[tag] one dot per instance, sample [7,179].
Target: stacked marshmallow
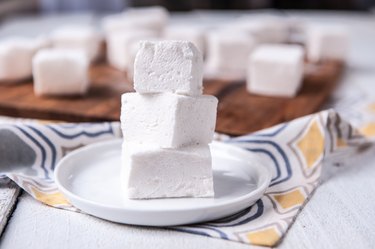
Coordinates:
[167,124]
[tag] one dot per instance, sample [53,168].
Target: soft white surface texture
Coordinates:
[120,47]
[194,34]
[168,66]
[84,38]
[167,119]
[327,42]
[16,55]
[227,54]
[151,172]
[275,70]
[60,72]
[149,18]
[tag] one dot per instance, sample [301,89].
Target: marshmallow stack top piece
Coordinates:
[168,66]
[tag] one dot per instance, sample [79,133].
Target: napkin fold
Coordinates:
[295,151]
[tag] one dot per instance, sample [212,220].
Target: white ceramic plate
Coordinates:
[90,180]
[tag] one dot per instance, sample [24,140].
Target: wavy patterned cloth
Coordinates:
[295,151]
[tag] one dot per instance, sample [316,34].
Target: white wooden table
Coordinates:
[341,213]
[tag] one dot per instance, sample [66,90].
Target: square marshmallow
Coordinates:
[227,54]
[265,28]
[167,119]
[327,43]
[60,72]
[151,172]
[120,46]
[16,57]
[188,33]
[132,51]
[84,38]
[147,18]
[168,66]
[275,70]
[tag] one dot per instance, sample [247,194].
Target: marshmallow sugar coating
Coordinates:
[149,171]
[168,66]
[167,119]
[60,72]
[275,70]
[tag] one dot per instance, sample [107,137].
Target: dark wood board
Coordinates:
[239,112]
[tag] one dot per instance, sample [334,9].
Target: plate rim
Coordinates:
[70,195]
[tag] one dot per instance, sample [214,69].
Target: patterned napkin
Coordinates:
[295,151]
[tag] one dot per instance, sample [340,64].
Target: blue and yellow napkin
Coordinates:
[296,151]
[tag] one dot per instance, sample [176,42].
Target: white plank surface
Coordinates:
[37,226]
[341,213]
[9,193]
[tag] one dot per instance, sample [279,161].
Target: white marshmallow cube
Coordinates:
[327,43]
[168,119]
[188,33]
[275,70]
[120,47]
[151,172]
[60,72]
[227,54]
[147,18]
[168,66]
[16,58]
[265,28]
[84,38]
[132,51]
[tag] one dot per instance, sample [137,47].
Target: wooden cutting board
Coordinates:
[238,112]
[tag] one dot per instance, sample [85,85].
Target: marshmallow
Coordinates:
[120,47]
[16,57]
[158,12]
[327,43]
[84,38]
[275,70]
[227,54]
[168,66]
[60,72]
[266,29]
[167,119]
[132,52]
[151,172]
[187,33]
[149,18]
